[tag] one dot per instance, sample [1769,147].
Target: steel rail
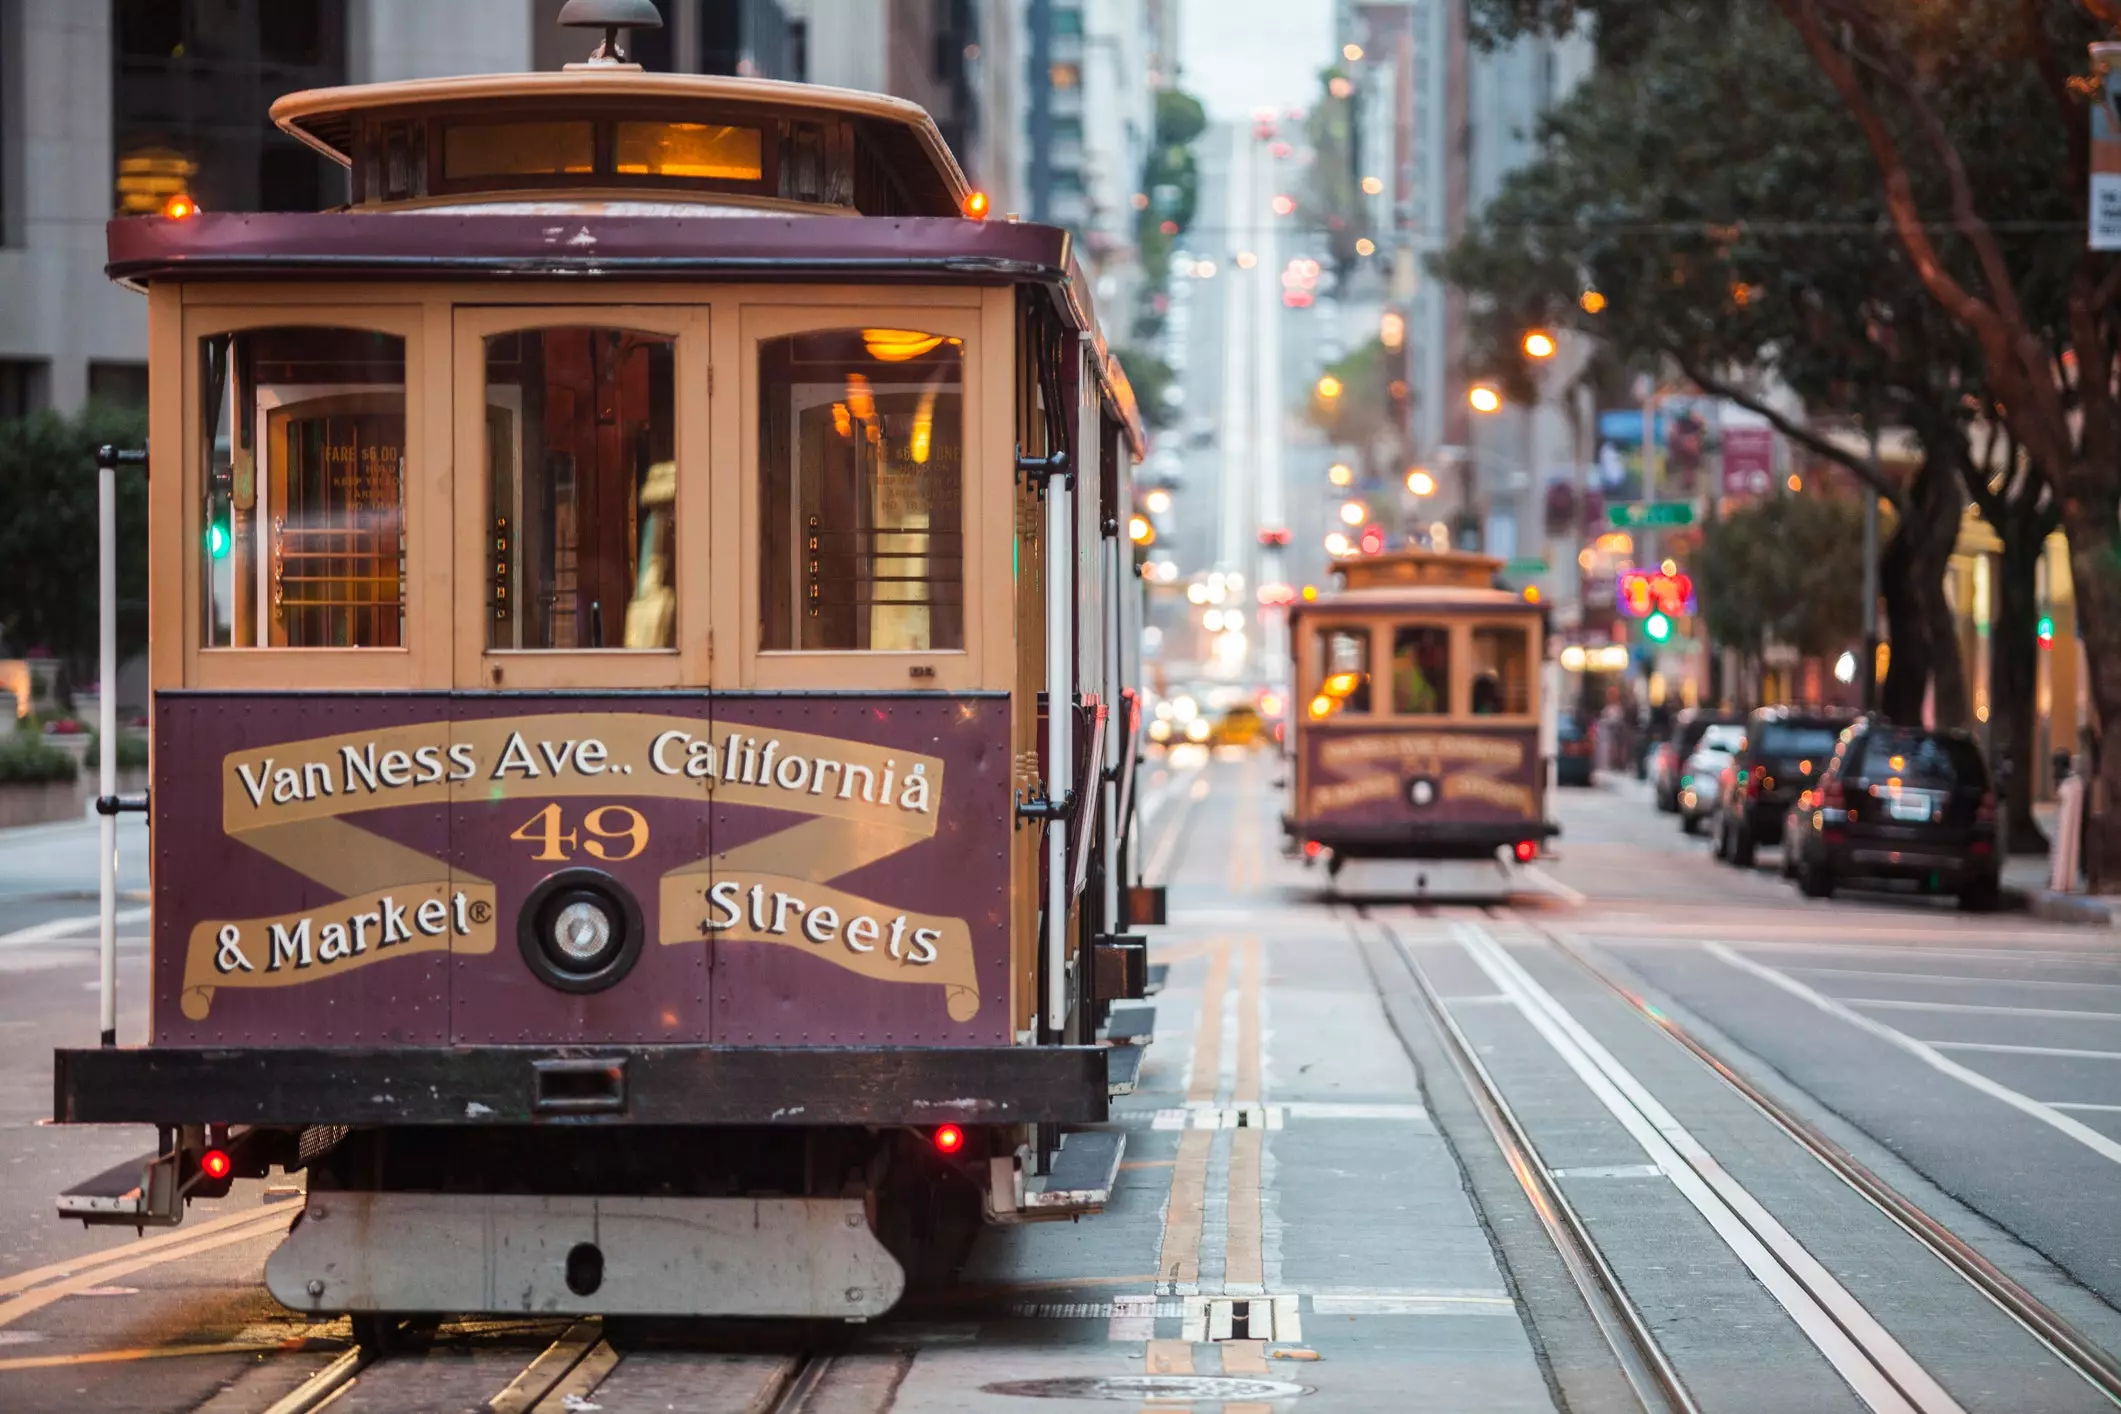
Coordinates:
[2086,1357]
[1649,1372]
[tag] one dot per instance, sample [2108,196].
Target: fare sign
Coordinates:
[1640,593]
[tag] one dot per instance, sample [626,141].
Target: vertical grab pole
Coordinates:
[107,725]
[1060,737]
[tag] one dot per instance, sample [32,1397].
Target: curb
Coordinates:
[2098,912]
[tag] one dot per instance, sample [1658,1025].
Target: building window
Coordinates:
[25,387]
[191,81]
[581,452]
[118,384]
[303,447]
[861,440]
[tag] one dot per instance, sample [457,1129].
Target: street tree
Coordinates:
[1945,96]
[1776,572]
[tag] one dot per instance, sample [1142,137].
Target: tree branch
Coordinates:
[1863,468]
[2054,77]
[2106,12]
[1999,338]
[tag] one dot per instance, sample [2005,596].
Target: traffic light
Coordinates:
[2045,630]
[1657,628]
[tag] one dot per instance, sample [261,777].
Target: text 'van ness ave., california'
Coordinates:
[562,754]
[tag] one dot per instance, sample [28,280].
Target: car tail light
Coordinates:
[216,1164]
[1524,851]
[1986,814]
[1832,796]
[1752,782]
[1313,849]
[949,1139]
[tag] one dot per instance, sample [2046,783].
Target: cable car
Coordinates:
[1421,724]
[643,706]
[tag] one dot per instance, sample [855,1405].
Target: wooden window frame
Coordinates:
[1383,628]
[685,665]
[984,324]
[426,509]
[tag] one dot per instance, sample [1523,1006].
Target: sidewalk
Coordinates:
[2025,883]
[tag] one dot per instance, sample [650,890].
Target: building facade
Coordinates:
[109,107]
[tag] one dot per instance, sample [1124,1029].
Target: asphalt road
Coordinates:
[1301,1142]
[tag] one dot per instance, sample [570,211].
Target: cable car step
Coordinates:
[1135,1022]
[1123,1069]
[1159,973]
[1083,1174]
[140,1192]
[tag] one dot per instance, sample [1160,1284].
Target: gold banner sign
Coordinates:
[290,802]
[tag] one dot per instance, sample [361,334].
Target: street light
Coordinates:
[1420,482]
[1592,302]
[1539,344]
[1340,474]
[1337,544]
[1391,329]
[1140,531]
[1484,398]
[1354,513]
[1328,387]
[1158,501]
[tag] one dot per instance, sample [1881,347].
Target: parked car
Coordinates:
[1719,745]
[1577,748]
[1785,750]
[1239,725]
[1899,803]
[1685,736]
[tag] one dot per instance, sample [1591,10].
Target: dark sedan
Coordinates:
[1577,744]
[1899,803]
[1785,750]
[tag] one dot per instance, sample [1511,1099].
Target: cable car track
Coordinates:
[2084,1356]
[1899,1381]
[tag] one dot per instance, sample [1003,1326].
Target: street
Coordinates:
[1313,1212]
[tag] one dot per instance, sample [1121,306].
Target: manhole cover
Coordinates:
[1178,1388]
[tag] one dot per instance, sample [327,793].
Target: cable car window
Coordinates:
[303,434]
[1343,672]
[474,150]
[710,150]
[1502,671]
[861,437]
[581,453]
[1421,670]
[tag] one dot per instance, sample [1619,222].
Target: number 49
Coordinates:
[603,824]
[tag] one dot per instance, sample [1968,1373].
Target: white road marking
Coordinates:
[1167,845]
[2084,1105]
[1897,1004]
[1928,1054]
[2003,1049]
[1950,978]
[1867,1356]
[1414,1303]
[1132,1318]
[60,927]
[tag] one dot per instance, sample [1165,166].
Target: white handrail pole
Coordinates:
[1060,738]
[107,726]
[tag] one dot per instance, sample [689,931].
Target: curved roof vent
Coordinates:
[610,16]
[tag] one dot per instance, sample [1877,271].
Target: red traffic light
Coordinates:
[949,1139]
[1274,535]
[1373,540]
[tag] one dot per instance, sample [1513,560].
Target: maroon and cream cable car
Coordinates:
[1422,722]
[644,706]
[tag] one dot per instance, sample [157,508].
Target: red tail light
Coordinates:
[216,1164]
[1313,849]
[1986,815]
[949,1139]
[1524,850]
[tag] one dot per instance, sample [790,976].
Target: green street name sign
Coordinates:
[1522,565]
[1638,514]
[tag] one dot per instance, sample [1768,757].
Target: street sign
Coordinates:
[1638,514]
[1525,565]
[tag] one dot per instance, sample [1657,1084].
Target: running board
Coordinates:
[1131,1022]
[138,1193]
[1123,1069]
[496,1254]
[1082,1177]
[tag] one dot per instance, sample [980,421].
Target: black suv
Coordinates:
[1785,750]
[1899,803]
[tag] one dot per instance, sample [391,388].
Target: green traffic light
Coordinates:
[1657,627]
[217,540]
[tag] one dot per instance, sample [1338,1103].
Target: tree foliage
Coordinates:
[1780,571]
[48,536]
